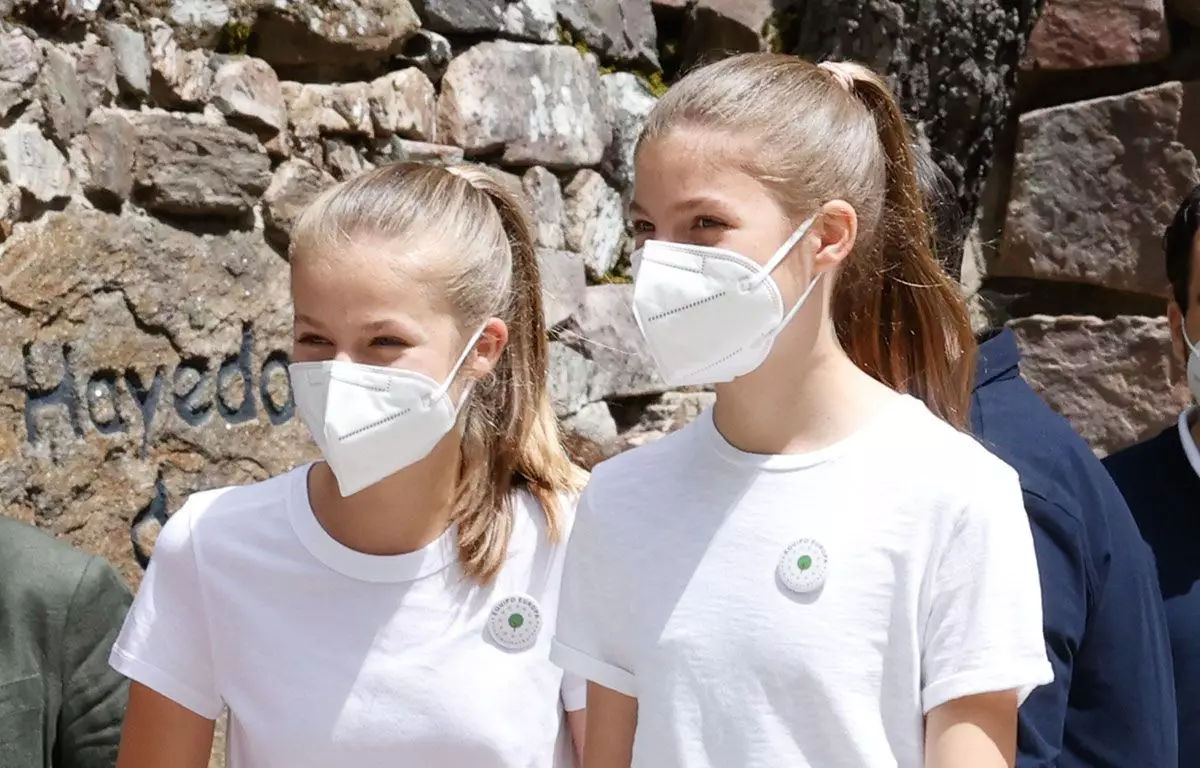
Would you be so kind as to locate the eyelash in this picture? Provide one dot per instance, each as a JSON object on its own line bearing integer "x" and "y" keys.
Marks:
{"x": 641, "y": 227}
{"x": 379, "y": 341}
{"x": 388, "y": 341}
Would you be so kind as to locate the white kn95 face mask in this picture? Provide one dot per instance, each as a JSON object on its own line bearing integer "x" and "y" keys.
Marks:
{"x": 709, "y": 315}
{"x": 371, "y": 422}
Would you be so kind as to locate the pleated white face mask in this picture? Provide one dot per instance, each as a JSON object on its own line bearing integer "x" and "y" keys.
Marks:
{"x": 370, "y": 421}
{"x": 709, "y": 315}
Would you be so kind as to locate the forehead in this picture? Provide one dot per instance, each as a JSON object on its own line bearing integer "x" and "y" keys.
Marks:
{"x": 687, "y": 163}
{"x": 369, "y": 274}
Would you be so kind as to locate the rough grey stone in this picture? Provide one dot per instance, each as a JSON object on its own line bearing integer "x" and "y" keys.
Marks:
{"x": 32, "y": 163}
{"x": 247, "y": 89}
{"x": 593, "y": 421}
{"x": 102, "y": 156}
{"x": 595, "y": 222}
{"x": 185, "y": 166}
{"x": 546, "y": 198}
{"x": 337, "y": 35}
{"x": 296, "y": 183}
{"x": 524, "y": 19}
{"x": 344, "y": 160}
{"x": 621, "y": 30}
{"x": 571, "y": 376}
{"x": 427, "y": 51}
{"x": 535, "y": 104}
{"x": 394, "y": 149}
{"x": 178, "y": 79}
{"x": 404, "y": 103}
{"x": 610, "y": 335}
{"x": 629, "y": 104}
{"x": 61, "y": 96}
{"x": 20, "y": 61}
{"x": 132, "y": 59}
{"x": 564, "y": 285}
{"x": 319, "y": 110}
{"x": 733, "y": 26}
{"x": 199, "y": 22}
{"x": 97, "y": 72}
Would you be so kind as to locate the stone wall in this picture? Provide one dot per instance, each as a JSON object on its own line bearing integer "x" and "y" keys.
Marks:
{"x": 154, "y": 155}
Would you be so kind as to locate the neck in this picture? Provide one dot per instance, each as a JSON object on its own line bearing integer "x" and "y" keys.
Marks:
{"x": 400, "y": 514}
{"x": 798, "y": 406}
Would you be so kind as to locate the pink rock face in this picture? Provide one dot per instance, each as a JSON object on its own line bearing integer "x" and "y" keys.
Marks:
{"x": 1094, "y": 184}
{"x": 1085, "y": 34}
{"x": 1114, "y": 380}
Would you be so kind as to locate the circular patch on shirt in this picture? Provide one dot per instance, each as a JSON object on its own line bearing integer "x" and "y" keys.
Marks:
{"x": 515, "y": 622}
{"x": 803, "y": 565}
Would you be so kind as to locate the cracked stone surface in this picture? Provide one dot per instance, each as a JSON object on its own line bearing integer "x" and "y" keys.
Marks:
{"x": 153, "y": 366}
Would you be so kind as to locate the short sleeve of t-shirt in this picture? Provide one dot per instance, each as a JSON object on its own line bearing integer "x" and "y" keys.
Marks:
{"x": 574, "y": 692}
{"x": 983, "y": 630}
{"x": 588, "y": 642}
{"x": 164, "y": 643}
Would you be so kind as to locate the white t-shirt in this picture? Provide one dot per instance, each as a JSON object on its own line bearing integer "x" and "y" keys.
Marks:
{"x": 674, "y": 592}
{"x": 329, "y": 657}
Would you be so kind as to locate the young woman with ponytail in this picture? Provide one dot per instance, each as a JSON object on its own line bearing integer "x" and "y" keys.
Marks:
{"x": 823, "y": 570}
{"x": 394, "y": 603}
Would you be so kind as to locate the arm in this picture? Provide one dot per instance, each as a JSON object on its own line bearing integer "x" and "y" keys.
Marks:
{"x": 93, "y": 694}
{"x": 612, "y": 719}
{"x": 575, "y": 724}
{"x": 159, "y": 733}
{"x": 972, "y": 732}
{"x": 1063, "y": 565}
{"x": 983, "y": 648}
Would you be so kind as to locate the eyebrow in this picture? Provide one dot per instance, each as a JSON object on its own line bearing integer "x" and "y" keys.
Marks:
{"x": 300, "y": 317}
{"x": 702, "y": 201}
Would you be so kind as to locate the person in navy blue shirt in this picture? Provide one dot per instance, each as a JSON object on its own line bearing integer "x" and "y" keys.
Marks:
{"x": 1161, "y": 481}
{"x": 1112, "y": 702}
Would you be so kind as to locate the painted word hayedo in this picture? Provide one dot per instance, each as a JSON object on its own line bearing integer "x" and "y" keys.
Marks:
{"x": 193, "y": 401}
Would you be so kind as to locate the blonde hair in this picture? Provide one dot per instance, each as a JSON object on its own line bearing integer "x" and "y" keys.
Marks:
{"x": 490, "y": 269}
{"x": 812, "y": 134}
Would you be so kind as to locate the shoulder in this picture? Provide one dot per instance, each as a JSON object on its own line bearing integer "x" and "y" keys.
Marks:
{"x": 950, "y": 462}
{"x": 224, "y": 516}
{"x": 529, "y": 513}
{"x": 635, "y": 477}
{"x": 31, "y": 559}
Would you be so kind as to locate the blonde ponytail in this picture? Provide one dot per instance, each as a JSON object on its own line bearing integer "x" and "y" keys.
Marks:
{"x": 516, "y": 436}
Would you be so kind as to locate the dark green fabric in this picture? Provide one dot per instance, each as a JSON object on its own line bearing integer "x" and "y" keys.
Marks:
{"x": 61, "y": 705}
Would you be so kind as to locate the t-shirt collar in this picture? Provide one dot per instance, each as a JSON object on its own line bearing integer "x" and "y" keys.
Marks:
{"x": 426, "y": 561}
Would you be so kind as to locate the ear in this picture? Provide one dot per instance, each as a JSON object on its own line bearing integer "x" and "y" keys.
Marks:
{"x": 488, "y": 348}
{"x": 836, "y": 230}
{"x": 1175, "y": 321}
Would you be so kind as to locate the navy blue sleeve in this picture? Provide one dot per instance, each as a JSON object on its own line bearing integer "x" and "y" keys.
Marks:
{"x": 1065, "y": 572}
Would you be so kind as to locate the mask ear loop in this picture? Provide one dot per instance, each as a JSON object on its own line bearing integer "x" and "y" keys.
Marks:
{"x": 442, "y": 390}
{"x": 765, "y": 271}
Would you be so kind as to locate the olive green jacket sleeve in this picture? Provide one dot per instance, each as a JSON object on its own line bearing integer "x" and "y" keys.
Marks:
{"x": 93, "y": 694}
{"x": 61, "y": 705}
